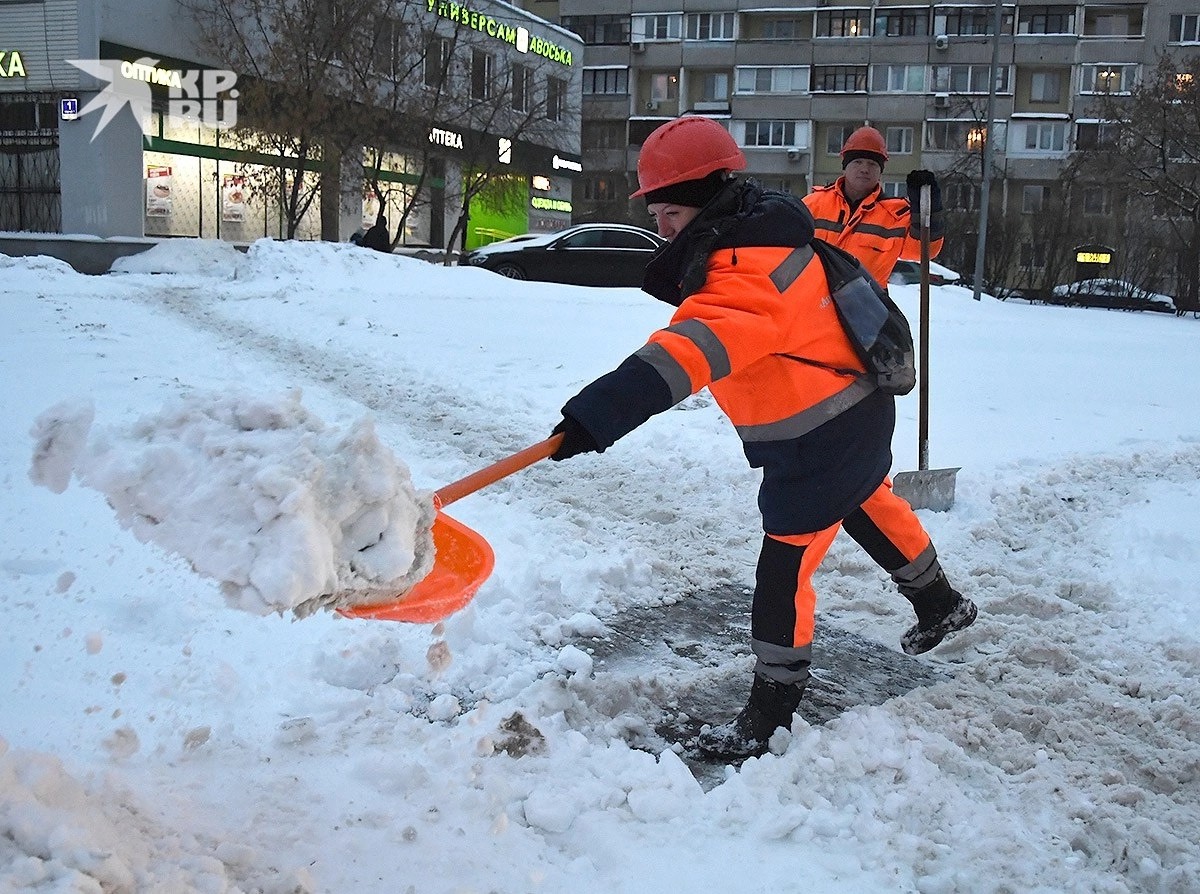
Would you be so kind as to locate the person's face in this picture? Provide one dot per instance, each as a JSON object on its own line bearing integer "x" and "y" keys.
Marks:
{"x": 862, "y": 175}
{"x": 671, "y": 219}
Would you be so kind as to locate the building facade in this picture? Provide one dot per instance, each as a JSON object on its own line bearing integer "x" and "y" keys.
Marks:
{"x": 791, "y": 79}
{"x": 178, "y": 170}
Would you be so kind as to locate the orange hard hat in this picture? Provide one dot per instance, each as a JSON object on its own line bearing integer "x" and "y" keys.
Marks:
{"x": 687, "y": 148}
{"x": 865, "y": 141}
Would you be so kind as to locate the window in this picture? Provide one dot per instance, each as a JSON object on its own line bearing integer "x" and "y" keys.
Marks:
{"x": 960, "y": 136}
{"x": 839, "y": 78}
{"x": 437, "y": 63}
{"x": 665, "y": 26}
{"x": 960, "y": 196}
{"x": 482, "y": 72}
{"x": 1107, "y": 78}
{"x": 783, "y": 29}
{"x": 1047, "y": 20}
{"x": 770, "y": 133}
{"x": 836, "y": 136}
{"x": 714, "y": 86}
{"x": 1033, "y": 256}
{"x": 1045, "y": 86}
{"x": 1043, "y": 136}
{"x": 1107, "y": 21}
{"x": 898, "y": 78}
{"x": 522, "y": 88}
{"x": 556, "y": 93}
{"x": 1185, "y": 29}
{"x": 842, "y": 23}
{"x": 664, "y": 87}
{"x": 710, "y": 25}
{"x": 605, "y": 81}
{"x": 600, "y": 189}
{"x": 1096, "y": 134}
{"x": 899, "y": 140}
{"x": 968, "y": 78}
{"x": 604, "y": 134}
{"x": 777, "y": 79}
{"x": 1097, "y": 201}
{"x": 970, "y": 20}
{"x": 901, "y": 22}
{"x": 1033, "y": 197}
{"x": 599, "y": 30}
{"x": 388, "y": 57}
{"x": 894, "y": 189}
{"x": 19, "y": 115}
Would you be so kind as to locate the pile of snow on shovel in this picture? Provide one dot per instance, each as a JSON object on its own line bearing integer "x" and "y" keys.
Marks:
{"x": 286, "y": 512}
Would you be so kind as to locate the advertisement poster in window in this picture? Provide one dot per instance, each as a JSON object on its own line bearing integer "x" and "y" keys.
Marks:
{"x": 233, "y": 198}
{"x": 158, "y": 191}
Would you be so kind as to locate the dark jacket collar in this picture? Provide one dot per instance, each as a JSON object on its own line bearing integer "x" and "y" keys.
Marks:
{"x": 742, "y": 215}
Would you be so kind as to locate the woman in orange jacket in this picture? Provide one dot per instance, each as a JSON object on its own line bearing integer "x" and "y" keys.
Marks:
{"x": 853, "y": 213}
{"x": 756, "y": 326}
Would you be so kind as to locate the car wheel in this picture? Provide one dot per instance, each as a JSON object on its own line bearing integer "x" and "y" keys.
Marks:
{"x": 512, "y": 271}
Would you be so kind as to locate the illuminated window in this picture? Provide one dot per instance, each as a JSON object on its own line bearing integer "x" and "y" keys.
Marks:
{"x": 843, "y": 23}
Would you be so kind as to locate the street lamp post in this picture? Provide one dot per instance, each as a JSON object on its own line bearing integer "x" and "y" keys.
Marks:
{"x": 989, "y": 131}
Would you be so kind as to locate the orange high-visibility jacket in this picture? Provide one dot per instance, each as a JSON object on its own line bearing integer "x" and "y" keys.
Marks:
{"x": 822, "y": 437}
{"x": 879, "y": 232}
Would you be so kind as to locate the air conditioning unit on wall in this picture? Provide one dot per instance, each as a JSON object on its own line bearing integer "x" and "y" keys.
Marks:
{"x": 942, "y": 42}
{"x": 652, "y": 106}
{"x": 637, "y": 46}
{"x": 793, "y": 155}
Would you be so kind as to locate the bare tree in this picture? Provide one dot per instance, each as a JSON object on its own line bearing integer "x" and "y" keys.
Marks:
{"x": 1151, "y": 140}
{"x": 333, "y": 81}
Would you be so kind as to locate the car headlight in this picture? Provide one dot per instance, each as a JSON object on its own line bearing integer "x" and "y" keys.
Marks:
{"x": 476, "y": 260}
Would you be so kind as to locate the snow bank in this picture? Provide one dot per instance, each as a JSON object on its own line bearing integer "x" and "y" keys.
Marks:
{"x": 196, "y": 257}
{"x": 285, "y": 512}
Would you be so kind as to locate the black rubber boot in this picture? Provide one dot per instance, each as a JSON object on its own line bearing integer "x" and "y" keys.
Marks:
{"x": 941, "y": 610}
{"x": 771, "y": 706}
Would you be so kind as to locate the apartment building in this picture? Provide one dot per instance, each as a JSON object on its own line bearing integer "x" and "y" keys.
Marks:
{"x": 791, "y": 79}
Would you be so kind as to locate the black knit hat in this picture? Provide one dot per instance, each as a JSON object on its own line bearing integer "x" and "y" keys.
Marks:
{"x": 850, "y": 156}
{"x": 693, "y": 193}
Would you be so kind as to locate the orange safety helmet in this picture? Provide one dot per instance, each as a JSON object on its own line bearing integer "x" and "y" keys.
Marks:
{"x": 866, "y": 142}
{"x": 687, "y": 148}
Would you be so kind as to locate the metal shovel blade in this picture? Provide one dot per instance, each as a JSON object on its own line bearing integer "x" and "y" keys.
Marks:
{"x": 464, "y": 561}
{"x": 927, "y": 489}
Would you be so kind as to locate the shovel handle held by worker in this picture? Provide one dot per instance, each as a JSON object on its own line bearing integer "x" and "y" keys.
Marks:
{"x": 456, "y": 490}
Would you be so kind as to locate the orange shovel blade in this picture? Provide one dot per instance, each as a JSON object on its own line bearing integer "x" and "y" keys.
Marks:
{"x": 464, "y": 561}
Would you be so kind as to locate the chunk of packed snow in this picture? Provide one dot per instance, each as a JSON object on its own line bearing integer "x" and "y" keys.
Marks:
{"x": 286, "y": 512}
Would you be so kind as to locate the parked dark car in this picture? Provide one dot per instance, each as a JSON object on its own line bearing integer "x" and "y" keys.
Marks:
{"x": 585, "y": 255}
{"x": 1111, "y": 293}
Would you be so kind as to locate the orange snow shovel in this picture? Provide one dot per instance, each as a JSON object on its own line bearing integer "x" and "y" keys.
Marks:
{"x": 463, "y": 559}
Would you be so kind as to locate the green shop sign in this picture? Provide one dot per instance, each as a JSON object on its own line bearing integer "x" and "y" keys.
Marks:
{"x": 516, "y": 35}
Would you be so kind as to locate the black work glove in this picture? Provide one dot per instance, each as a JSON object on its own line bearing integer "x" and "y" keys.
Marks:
{"x": 914, "y": 181}
{"x": 575, "y": 440}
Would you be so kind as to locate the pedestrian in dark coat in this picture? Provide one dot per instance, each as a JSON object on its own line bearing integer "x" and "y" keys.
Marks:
{"x": 378, "y": 237}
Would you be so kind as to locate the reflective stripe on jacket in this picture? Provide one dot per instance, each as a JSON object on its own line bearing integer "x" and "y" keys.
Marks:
{"x": 879, "y": 232}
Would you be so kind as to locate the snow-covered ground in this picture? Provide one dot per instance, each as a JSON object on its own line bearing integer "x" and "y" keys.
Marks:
{"x": 159, "y": 735}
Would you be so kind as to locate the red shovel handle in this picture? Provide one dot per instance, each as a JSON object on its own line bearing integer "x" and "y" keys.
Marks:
{"x": 456, "y": 490}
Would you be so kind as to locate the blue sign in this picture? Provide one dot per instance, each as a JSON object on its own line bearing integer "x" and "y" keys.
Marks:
{"x": 69, "y": 109}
